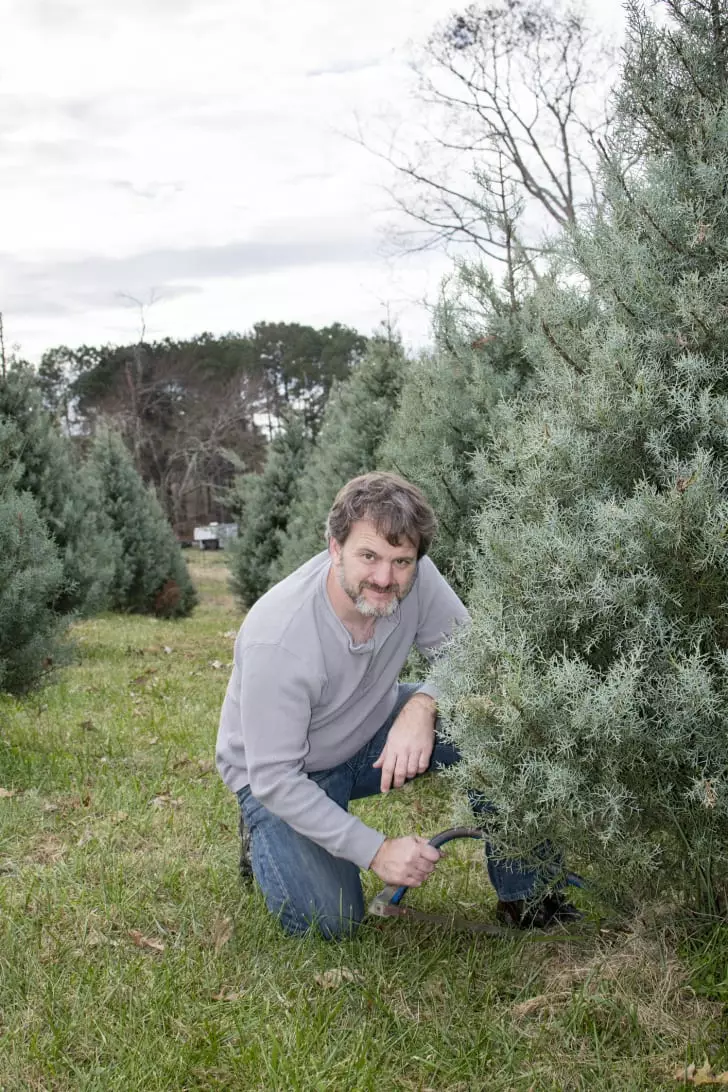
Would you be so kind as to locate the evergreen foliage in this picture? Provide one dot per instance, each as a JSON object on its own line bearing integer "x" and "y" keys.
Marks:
{"x": 66, "y": 494}
{"x": 589, "y": 697}
{"x": 31, "y": 577}
{"x": 448, "y": 409}
{"x": 262, "y": 504}
{"x": 357, "y": 417}
{"x": 151, "y": 576}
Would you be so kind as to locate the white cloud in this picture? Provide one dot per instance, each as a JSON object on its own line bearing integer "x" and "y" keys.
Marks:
{"x": 195, "y": 147}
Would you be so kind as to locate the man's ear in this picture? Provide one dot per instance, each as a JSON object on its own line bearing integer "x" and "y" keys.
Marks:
{"x": 334, "y": 549}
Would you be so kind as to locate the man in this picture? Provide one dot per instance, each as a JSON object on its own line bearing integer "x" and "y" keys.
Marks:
{"x": 314, "y": 715}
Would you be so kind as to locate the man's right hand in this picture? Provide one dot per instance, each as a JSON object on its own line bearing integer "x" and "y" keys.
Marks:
{"x": 405, "y": 862}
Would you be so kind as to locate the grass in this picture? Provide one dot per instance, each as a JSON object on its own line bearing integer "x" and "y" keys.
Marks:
{"x": 132, "y": 958}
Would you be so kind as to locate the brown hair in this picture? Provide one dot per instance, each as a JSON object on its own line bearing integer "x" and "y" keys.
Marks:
{"x": 395, "y": 507}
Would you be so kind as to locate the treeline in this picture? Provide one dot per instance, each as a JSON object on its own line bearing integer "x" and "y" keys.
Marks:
{"x": 80, "y": 532}
{"x": 192, "y": 411}
{"x": 570, "y": 427}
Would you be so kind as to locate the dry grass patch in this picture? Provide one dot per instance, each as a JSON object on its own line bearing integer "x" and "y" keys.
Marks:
{"x": 638, "y": 970}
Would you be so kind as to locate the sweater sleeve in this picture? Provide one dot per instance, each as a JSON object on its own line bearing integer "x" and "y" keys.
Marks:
{"x": 275, "y": 705}
{"x": 440, "y": 612}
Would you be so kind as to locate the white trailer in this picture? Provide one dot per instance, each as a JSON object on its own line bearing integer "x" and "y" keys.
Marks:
{"x": 215, "y": 536}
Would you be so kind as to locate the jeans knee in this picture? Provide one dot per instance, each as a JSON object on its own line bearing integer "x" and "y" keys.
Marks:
{"x": 305, "y": 888}
{"x": 328, "y": 926}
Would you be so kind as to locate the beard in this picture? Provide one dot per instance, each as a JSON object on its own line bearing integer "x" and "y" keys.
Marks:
{"x": 362, "y": 604}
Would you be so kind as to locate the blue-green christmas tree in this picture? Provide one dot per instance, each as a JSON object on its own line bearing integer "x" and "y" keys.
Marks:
{"x": 262, "y": 505}
{"x": 151, "y": 576}
{"x": 66, "y": 494}
{"x": 590, "y": 695}
{"x": 355, "y": 423}
{"x": 31, "y": 579}
{"x": 449, "y": 405}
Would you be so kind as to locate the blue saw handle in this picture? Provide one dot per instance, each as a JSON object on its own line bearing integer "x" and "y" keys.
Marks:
{"x": 437, "y": 841}
{"x": 571, "y": 878}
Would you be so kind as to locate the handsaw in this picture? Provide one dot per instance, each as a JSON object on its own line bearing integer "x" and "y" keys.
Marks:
{"x": 388, "y": 903}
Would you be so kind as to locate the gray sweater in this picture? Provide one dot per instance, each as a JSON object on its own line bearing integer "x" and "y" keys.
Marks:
{"x": 302, "y": 697}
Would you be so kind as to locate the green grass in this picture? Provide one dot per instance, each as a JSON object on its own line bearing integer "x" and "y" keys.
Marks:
{"x": 132, "y": 958}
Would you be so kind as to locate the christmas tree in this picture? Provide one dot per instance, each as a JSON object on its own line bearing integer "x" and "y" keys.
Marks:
{"x": 151, "y": 576}
{"x": 589, "y": 697}
{"x": 448, "y": 409}
{"x": 262, "y": 504}
{"x": 357, "y": 417}
{"x": 31, "y": 576}
{"x": 66, "y": 494}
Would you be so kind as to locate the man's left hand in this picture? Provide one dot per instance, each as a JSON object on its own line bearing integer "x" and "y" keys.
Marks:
{"x": 411, "y": 738}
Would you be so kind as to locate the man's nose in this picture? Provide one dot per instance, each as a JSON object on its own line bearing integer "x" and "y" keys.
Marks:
{"x": 383, "y": 574}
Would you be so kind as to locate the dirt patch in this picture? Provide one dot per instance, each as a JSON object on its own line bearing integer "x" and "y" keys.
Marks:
{"x": 48, "y": 850}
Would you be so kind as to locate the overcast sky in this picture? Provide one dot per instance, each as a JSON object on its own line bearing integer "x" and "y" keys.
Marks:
{"x": 193, "y": 152}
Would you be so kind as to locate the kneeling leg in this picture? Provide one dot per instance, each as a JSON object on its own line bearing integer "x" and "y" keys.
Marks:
{"x": 303, "y": 885}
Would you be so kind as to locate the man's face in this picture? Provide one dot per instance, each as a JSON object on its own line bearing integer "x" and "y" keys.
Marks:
{"x": 374, "y": 574}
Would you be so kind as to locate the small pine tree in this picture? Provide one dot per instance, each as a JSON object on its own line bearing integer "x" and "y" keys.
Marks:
{"x": 357, "y": 417}
{"x": 66, "y": 494}
{"x": 448, "y": 410}
{"x": 31, "y": 576}
{"x": 151, "y": 576}
{"x": 589, "y": 697}
{"x": 262, "y": 504}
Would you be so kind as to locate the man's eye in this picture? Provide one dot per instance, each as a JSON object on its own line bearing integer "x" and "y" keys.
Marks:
{"x": 403, "y": 562}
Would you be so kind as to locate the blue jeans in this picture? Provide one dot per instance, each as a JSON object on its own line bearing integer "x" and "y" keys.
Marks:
{"x": 305, "y": 886}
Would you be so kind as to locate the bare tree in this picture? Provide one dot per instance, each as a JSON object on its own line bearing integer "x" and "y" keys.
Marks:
{"x": 516, "y": 95}
{"x": 218, "y": 433}
{"x": 179, "y": 419}
{"x": 134, "y": 376}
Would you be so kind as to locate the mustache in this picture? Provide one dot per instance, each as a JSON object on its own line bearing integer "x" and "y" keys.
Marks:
{"x": 375, "y": 587}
